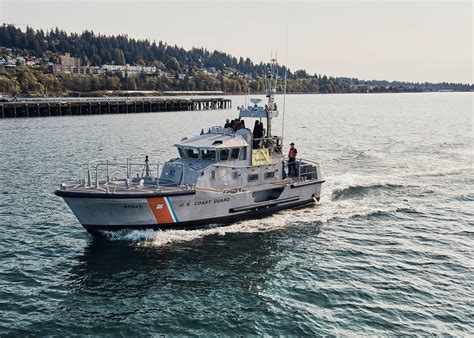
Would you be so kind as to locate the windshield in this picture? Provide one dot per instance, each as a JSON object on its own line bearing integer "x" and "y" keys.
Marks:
{"x": 208, "y": 154}
{"x": 234, "y": 153}
{"x": 192, "y": 153}
{"x": 223, "y": 154}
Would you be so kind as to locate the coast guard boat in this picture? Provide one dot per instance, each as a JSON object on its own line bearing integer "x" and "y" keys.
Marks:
{"x": 221, "y": 176}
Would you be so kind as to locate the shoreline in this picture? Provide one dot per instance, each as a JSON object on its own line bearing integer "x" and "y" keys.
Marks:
{"x": 137, "y": 94}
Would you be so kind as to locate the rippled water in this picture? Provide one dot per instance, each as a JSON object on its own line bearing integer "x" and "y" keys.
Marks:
{"x": 387, "y": 251}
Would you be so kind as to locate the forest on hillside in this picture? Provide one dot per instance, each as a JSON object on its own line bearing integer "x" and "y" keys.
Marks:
{"x": 186, "y": 70}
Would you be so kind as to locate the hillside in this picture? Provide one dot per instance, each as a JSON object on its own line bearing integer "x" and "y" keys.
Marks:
{"x": 35, "y": 62}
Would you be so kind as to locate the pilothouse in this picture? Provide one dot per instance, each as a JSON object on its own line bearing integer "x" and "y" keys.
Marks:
{"x": 221, "y": 176}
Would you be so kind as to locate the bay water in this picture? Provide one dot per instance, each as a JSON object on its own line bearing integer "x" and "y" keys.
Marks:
{"x": 387, "y": 250}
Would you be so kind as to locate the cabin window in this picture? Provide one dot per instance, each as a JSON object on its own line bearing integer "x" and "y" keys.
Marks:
{"x": 234, "y": 153}
{"x": 269, "y": 175}
{"x": 243, "y": 153}
{"x": 181, "y": 152}
{"x": 224, "y": 155}
{"x": 192, "y": 153}
{"x": 253, "y": 177}
{"x": 213, "y": 174}
{"x": 208, "y": 154}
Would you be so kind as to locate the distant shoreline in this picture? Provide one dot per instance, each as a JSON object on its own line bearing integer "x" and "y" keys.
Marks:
{"x": 130, "y": 94}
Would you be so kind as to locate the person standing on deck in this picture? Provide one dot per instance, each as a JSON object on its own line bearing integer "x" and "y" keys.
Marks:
{"x": 257, "y": 135}
{"x": 147, "y": 167}
{"x": 292, "y": 160}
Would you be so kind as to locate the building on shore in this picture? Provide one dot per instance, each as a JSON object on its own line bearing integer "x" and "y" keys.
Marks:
{"x": 130, "y": 70}
{"x": 123, "y": 70}
{"x": 67, "y": 60}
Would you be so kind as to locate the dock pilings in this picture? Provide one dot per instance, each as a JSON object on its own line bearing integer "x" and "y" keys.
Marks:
{"x": 91, "y": 106}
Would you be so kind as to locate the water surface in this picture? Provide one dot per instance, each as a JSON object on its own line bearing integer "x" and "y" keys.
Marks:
{"x": 387, "y": 251}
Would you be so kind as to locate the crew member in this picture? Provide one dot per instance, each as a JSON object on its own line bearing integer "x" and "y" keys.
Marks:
{"x": 227, "y": 124}
{"x": 147, "y": 167}
{"x": 237, "y": 124}
{"x": 257, "y": 135}
{"x": 292, "y": 160}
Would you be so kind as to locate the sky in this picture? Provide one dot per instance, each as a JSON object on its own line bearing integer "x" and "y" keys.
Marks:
{"x": 385, "y": 40}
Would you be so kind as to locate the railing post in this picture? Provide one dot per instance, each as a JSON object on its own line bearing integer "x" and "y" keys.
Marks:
{"x": 157, "y": 175}
{"x": 107, "y": 166}
{"x": 299, "y": 171}
{"x": 88, "y": 174}
{"x": 128, "y": 173}
{"x": 96, "y": 177}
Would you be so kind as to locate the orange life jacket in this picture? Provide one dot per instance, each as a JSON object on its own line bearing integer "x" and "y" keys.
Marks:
{"x": 292, "y": 153}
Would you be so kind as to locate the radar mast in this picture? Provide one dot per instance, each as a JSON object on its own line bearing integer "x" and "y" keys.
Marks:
{"x": 270, "y": 110}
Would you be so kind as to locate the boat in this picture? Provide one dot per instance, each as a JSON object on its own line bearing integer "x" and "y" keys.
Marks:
{"x": 221, "y": 176}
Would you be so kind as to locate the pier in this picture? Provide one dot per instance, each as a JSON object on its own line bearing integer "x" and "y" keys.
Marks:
{"x": 98, "y": 106}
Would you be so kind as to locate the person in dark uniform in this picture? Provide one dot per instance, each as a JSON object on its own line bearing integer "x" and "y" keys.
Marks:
{"x": 227, "y": 124}
{"x": 292, "y": 160}
{"x": 257, "y": 135}
{"x": 147, "y": 167}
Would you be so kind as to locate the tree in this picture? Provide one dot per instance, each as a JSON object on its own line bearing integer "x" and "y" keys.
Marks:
{"x": 112, "y": 83}
{"x": 28, "y": 82}
{"x": 119, "y": 57}
{"x": 9, "y": 86}
{"x": 173, "y": 64}
{"x": 130, "y": 83}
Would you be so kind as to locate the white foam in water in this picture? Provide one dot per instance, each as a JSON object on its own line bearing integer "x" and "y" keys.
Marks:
{"x": 323, "y": 212}
{"x": 348, "y": 208}
{"x": 166, "y": 237}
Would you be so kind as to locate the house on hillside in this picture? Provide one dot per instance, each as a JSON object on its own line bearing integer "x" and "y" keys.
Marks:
{"x": 67, "y": 63}
{"x": 125, "y": 70}
{"x": 20, "y": 61}
{"x": 67, "y": 60}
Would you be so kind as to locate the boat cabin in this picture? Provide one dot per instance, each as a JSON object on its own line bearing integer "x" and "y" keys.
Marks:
{"x": 223, "y": 159}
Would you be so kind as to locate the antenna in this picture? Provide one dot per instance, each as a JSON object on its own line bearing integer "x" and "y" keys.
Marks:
{"x": 247, "y": 93}
{"x": 276, "y": 70}
{"x": 284, "y": 88}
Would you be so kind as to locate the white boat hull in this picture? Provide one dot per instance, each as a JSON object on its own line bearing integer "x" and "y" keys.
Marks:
{"x": 186, "y": 210}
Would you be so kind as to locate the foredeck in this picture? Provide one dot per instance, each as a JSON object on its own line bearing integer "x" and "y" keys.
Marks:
{"x": 123, "y": 189}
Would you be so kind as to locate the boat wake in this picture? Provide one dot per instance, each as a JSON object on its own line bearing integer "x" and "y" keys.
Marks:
{"x": 359, "y": 191}
{"x": 344, "y": 196}
{"x": 172, "y": 236}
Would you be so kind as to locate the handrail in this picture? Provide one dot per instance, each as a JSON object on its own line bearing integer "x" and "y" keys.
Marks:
{"x": 128, "y": 163}
{"x": 263, "y": 165}
{"x": 302, "y": 163}
{"x": 271, "y": 143}
{"x": 304, "y": 170}
{"x": 304, "y": 160}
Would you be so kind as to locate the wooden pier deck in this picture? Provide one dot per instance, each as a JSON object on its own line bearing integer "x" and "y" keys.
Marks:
{"x": 98, "y": 106}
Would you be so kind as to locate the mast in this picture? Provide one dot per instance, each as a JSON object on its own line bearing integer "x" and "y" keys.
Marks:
{"x": 271, "y": 83}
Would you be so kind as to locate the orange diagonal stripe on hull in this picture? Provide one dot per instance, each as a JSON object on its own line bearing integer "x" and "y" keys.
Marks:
{"x": 160, "y": 209}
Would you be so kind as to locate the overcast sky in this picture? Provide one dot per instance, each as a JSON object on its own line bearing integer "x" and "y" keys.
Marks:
{"x": 392, "y": 40}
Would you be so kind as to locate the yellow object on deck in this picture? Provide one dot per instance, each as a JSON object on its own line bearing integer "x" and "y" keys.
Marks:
{"x": 260, "y": 157}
